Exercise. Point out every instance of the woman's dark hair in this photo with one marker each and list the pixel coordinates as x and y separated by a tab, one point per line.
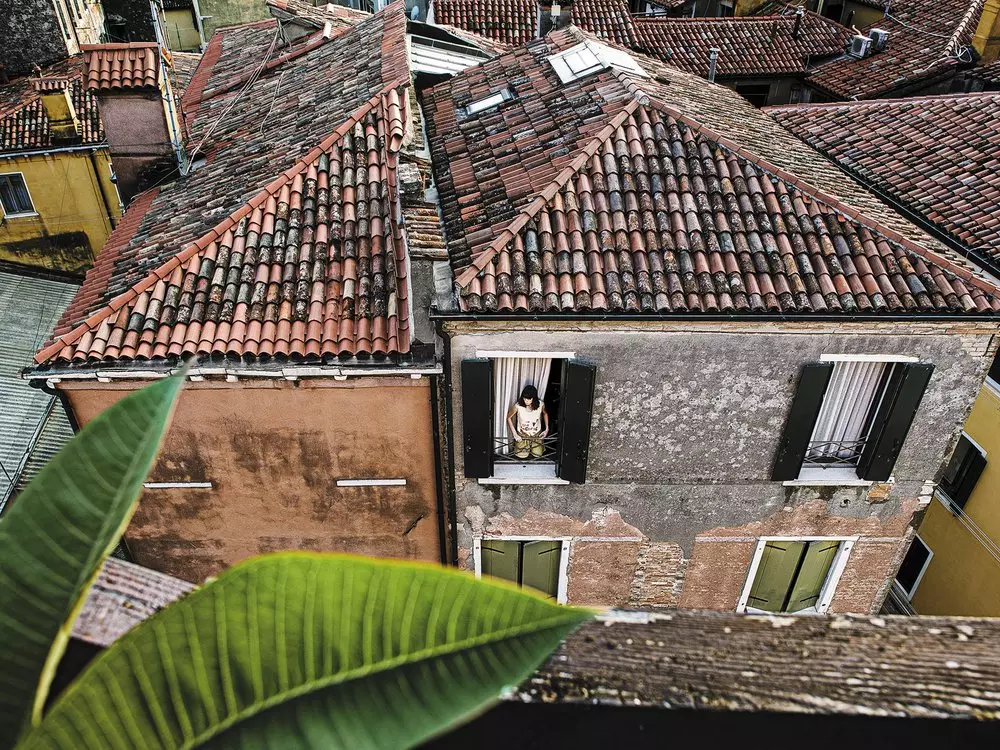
529	393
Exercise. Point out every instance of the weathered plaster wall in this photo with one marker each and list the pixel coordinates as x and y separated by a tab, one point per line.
29	35
231	12
273	452
686	422
136	128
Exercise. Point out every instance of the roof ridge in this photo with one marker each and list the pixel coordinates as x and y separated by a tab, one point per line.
164	270
881	102
481	259
832	201
973	12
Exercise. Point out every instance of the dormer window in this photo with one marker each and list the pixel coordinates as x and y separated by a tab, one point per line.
491	101
591	57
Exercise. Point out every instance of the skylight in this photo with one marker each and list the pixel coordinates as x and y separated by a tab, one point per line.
592	57
489	102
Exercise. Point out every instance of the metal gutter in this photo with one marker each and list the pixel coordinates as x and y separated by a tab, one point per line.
47	151
232	374
697	317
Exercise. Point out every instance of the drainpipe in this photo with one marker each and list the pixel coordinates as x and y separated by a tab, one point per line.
201	28
713	58
44	387
799	12
439	470
100	189
449	439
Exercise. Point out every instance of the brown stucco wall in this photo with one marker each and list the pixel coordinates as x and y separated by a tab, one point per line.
136	128
273	452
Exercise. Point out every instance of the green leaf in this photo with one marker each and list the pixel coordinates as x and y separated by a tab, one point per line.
304	650
56	535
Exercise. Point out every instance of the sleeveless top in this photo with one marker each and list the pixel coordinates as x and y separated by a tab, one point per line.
529	421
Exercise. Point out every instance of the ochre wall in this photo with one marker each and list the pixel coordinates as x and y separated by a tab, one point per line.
987	37
273	452
72	222
963	577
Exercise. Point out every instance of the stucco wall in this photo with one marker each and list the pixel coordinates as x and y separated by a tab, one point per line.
136	128
686	422
231	12
72	224
273	452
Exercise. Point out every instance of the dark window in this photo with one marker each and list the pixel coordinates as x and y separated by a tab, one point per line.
534	564
755	93
913	566
791	575
994	373
14	198
963	471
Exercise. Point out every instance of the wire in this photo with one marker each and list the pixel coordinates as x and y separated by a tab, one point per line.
273	98
911	27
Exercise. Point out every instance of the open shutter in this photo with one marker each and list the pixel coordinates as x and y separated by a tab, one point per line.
892	420
963	472
575	411
501	559
774	576
477	417
540	567
813	380
812	575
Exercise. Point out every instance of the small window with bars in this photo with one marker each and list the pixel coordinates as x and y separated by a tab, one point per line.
14	197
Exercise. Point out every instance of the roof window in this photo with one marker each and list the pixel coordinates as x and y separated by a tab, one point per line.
592	57
491	101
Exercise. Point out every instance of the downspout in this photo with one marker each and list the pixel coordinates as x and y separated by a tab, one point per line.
198	23
44	387
450	442
438	470
100	189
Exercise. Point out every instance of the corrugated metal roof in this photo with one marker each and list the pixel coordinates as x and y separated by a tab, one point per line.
29	309
52	436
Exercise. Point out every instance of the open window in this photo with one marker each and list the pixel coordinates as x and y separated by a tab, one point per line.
962	473
538	564
849	419
491	386
914	565
794	575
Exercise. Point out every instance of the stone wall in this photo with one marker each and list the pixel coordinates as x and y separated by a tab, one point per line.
30	34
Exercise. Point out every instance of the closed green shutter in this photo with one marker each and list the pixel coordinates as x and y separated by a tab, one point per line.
540	567
812	575
501	559
813	381
775	574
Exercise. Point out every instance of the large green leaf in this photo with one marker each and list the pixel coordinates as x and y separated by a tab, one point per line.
304	650
57	534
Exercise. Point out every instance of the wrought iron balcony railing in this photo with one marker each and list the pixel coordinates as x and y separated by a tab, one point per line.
823	453
505	449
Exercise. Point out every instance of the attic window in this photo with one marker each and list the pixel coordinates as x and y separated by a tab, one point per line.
493	100
592	57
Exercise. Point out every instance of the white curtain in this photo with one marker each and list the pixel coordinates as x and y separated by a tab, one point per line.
843	418
510	375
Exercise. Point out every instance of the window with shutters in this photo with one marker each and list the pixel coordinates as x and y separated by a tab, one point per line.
962	473
538	564
849	419
914	565
506	441
994	373
14	197
794	575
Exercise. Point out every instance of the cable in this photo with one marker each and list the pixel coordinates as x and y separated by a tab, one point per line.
906	25
273	98
975	531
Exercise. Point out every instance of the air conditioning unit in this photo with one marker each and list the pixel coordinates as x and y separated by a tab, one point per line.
861	46
880	39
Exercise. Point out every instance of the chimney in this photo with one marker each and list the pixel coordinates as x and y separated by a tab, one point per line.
799	13
713	58
63	123
138	111
554	15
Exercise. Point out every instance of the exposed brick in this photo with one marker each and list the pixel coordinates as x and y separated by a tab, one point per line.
659	575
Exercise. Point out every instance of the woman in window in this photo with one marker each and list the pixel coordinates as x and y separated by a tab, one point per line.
528	422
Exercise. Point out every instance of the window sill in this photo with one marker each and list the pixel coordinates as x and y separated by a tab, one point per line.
32	215
842	477
526	473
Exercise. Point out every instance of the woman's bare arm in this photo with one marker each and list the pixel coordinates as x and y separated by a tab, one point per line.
510	423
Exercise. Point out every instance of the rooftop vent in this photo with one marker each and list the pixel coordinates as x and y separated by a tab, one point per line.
589	57
861	46
880	39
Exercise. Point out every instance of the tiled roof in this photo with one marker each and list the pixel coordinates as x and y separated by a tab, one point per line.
317	16
626	194
924	38
484	43
748	45
515	22
24	125
285	242
989	74
183	64
938	156
131	65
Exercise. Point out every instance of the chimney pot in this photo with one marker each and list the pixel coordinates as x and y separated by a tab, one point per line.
799	13
713	58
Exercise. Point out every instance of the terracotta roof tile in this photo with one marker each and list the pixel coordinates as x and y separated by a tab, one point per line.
133	65
938	156
988	74
924	38
683	199
291	215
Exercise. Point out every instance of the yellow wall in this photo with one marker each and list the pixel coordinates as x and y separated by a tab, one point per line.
963	578
72	221
987	38
182	33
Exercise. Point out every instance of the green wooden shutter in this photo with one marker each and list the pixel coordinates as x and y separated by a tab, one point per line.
775	574
575	411
962	474
812	575
813	380
501	559
893	419
540	567
477	417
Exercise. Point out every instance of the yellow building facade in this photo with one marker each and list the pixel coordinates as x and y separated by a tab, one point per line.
953	567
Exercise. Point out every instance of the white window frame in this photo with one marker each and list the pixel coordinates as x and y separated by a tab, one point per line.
8	214
829	586
920	576
489	102
529	473
564	552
